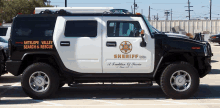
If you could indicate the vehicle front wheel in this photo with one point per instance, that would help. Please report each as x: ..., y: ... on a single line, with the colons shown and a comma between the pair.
x: 179, y: 80
x: 40, y: 81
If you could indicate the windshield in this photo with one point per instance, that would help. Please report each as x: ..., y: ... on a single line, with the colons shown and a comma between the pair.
x: 156, y: 30
x: 151, y: 29
x: 3, y: 40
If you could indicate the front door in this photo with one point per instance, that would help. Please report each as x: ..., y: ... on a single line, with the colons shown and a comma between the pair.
x: 122, y: 52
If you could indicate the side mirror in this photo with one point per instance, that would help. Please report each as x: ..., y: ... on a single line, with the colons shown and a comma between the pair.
x: 143, y: 43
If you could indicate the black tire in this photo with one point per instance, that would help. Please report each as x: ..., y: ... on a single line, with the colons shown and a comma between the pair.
x: 168, y: 72
x: 49, y: 71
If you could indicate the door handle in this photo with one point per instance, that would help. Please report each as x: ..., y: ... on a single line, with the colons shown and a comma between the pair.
x: 111, y: 44
x: 65, y: 43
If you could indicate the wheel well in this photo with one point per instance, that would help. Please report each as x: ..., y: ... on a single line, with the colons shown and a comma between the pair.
x: 34, y: 58
x: 175, y: 57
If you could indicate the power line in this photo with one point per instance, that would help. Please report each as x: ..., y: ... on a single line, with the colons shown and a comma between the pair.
x: 168, y: 3
x: 189, y: 9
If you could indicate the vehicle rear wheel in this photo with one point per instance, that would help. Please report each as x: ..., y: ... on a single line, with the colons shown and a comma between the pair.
x: 179, y: 80
x: 40, y: 81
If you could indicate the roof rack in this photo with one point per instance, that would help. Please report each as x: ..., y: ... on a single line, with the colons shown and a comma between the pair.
x: 64, y: 12
x: 119, y: 11
x: 47, y: 11
x: 75, y: 9
x: 61, y: 12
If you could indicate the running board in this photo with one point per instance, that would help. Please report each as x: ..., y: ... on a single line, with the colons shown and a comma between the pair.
x: 113, y: 84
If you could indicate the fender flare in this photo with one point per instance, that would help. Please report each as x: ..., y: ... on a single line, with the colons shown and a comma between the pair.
x: 162, y: 57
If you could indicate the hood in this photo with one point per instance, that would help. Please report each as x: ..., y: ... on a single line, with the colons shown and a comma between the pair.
x: 176, y: 35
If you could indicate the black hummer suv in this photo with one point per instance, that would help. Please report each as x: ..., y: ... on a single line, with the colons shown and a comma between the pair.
x: 51, y: 49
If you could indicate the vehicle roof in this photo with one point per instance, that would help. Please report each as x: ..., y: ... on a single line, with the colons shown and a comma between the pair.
x: 83, y: 14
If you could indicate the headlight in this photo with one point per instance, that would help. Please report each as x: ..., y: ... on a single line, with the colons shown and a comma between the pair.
x: 205, y: 50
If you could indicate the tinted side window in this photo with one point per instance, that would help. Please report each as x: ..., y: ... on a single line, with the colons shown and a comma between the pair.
x: 34, y: 27
x: 123, y: 28
x: 81, y: 29
x: 3, y: 31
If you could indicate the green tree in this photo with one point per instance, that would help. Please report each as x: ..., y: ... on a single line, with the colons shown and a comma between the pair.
x: 12, y: 8
x: 1, y: 5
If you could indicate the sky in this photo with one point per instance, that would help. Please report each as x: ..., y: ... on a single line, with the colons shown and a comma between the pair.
x: 201, y: 8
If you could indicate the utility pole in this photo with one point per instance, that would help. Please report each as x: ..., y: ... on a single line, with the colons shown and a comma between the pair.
x: 149, y: 14
x: 189, y: 9
x: 167, y: 13
x: 210, y: 9
x: 171, y: 14
x: 134, y: 6
x: 65, y: 3
x: 48, y: 2
x: 157, y: 17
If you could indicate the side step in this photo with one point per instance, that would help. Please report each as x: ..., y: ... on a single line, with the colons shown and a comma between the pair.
x: 113, y: 84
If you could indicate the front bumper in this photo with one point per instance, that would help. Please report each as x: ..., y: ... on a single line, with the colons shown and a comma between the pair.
x: 13, y: 67
x: 206, y: 66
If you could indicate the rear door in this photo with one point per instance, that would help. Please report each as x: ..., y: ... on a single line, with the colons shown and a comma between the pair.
x: 78, y: 42
x: 122, y: 52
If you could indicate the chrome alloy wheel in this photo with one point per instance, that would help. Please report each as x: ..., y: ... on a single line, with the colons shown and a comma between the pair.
x: 39, y: 81
x: 180, y: 81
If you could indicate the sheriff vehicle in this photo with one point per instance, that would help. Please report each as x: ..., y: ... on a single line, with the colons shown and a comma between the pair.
x: 51, y: 49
